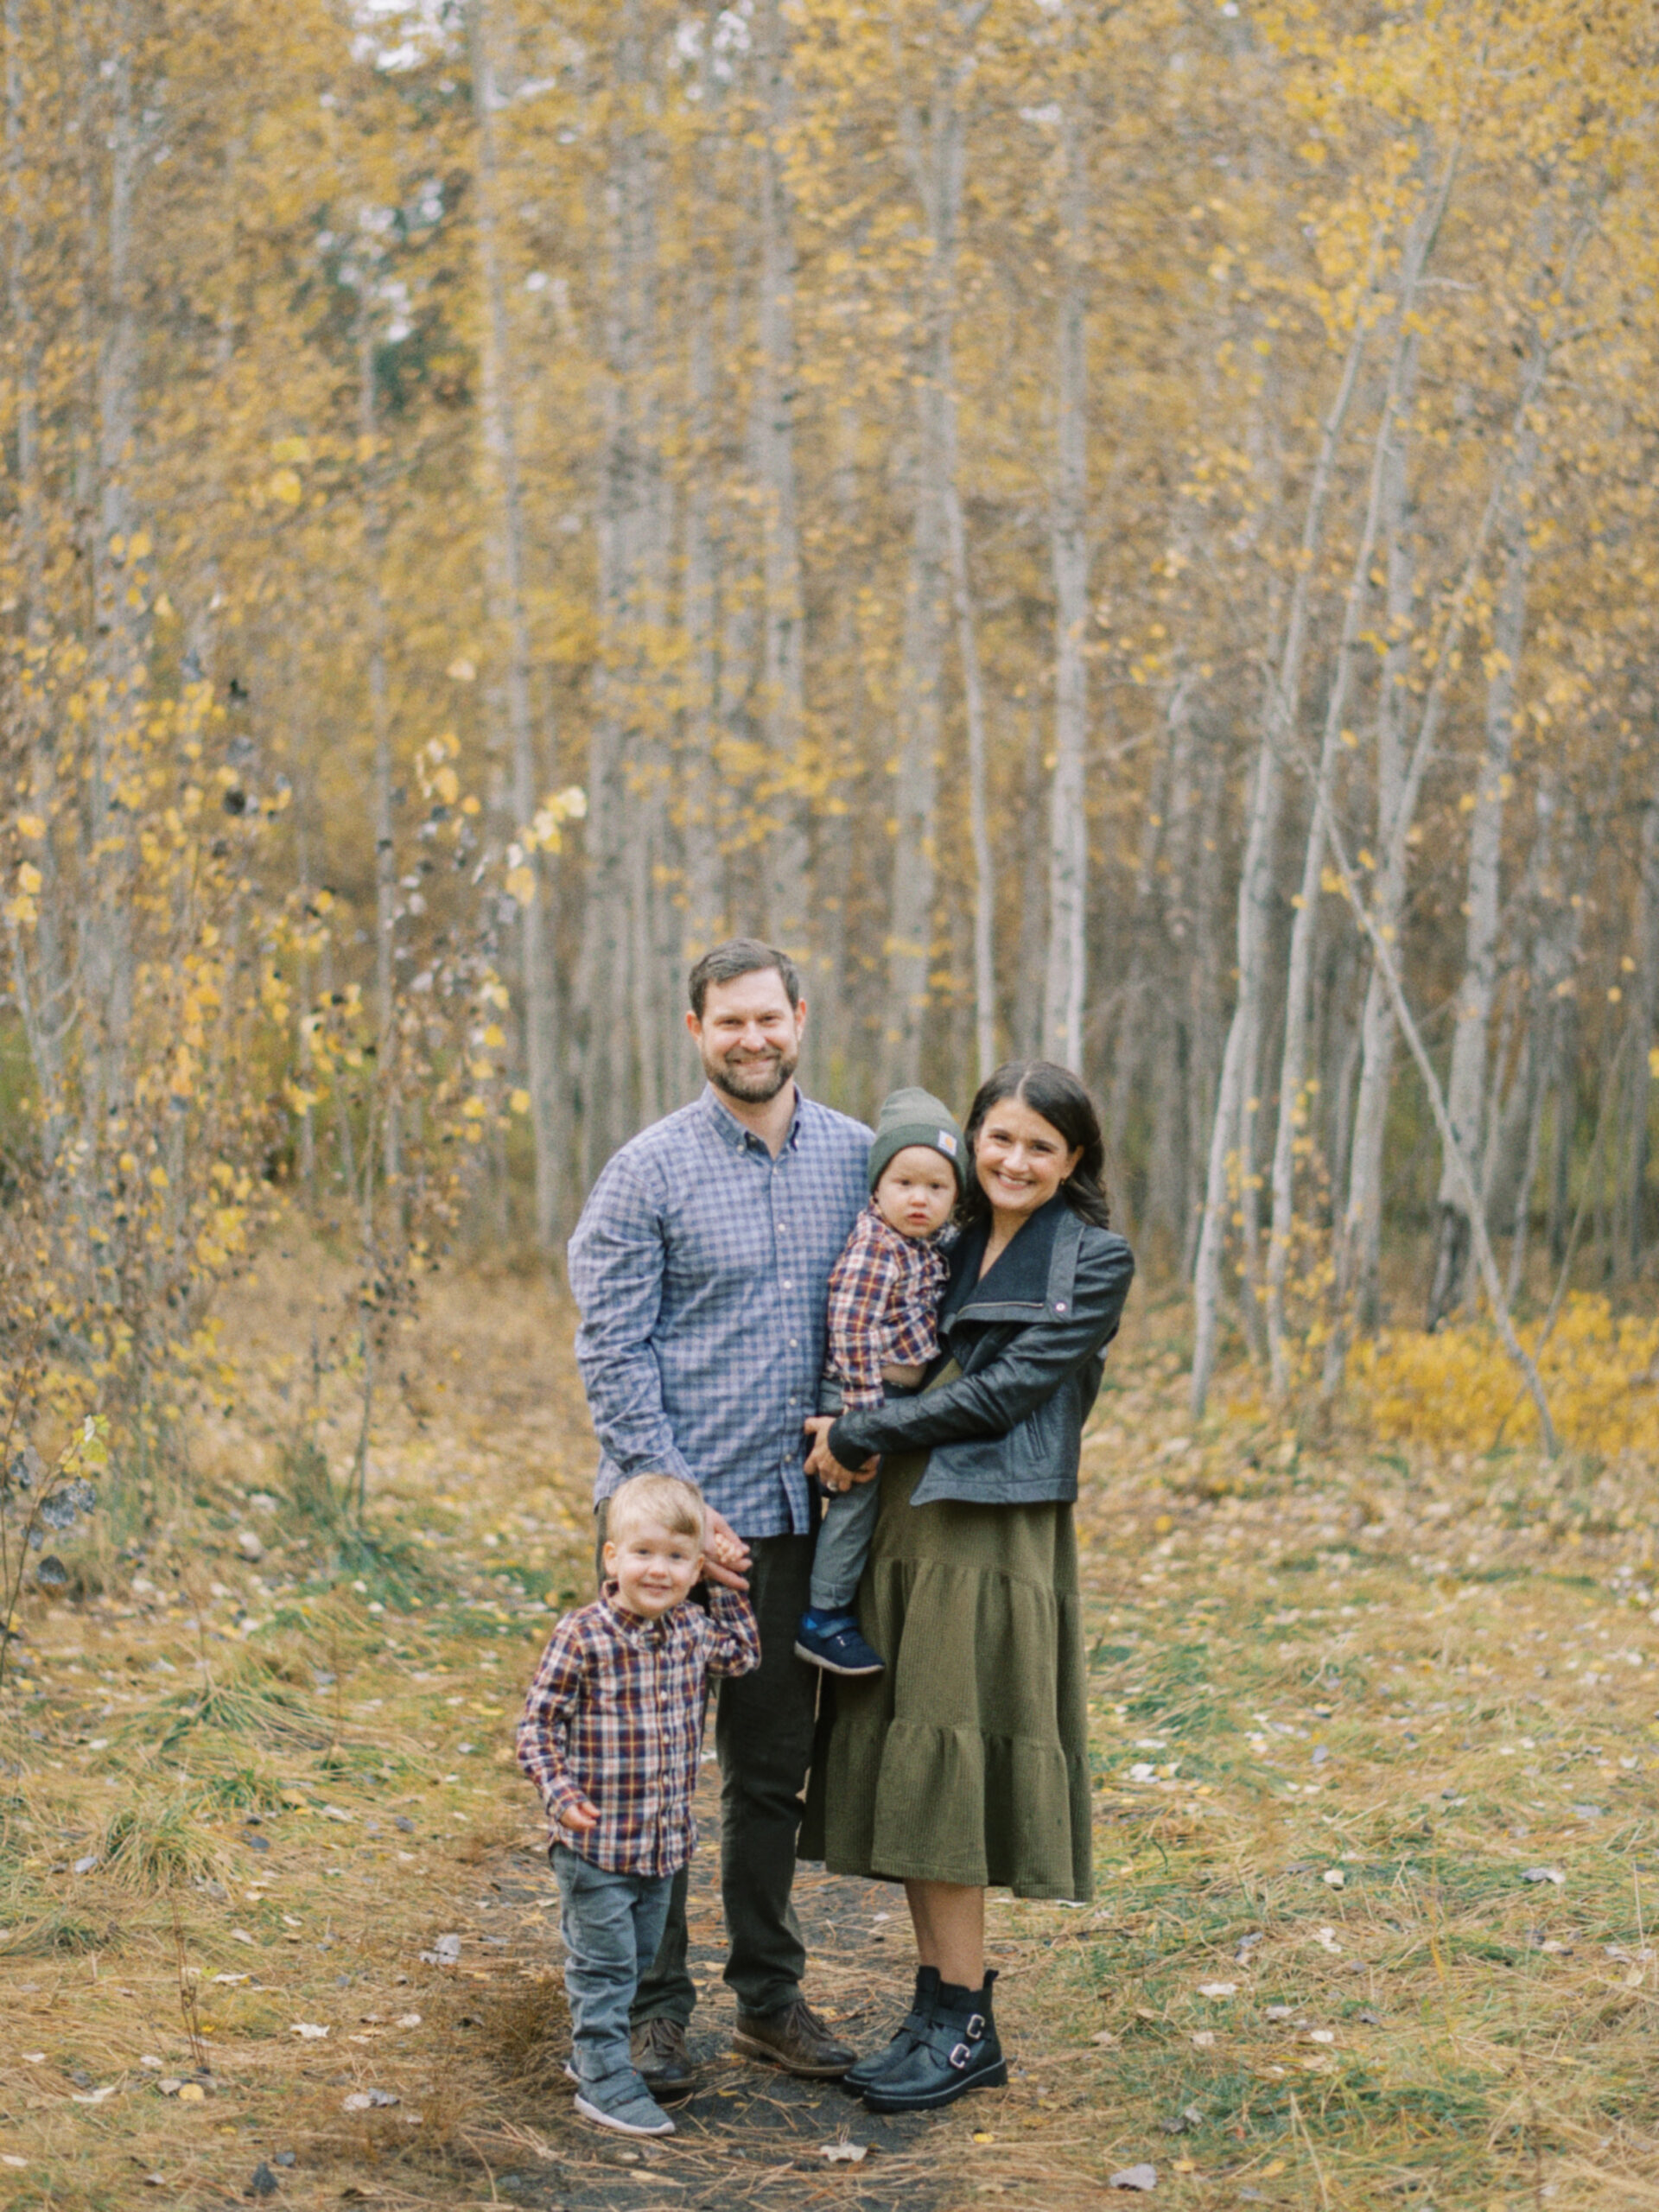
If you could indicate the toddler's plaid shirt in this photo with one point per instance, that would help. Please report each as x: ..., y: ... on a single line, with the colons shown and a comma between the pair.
x: 884, y: 1305
x: 615, y: 1715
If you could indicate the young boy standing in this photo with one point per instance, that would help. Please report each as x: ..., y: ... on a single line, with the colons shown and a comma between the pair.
x: 610, y: 1736
x: 883, y: 1330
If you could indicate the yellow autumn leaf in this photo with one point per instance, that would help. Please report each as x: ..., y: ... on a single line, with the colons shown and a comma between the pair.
x: 285, y: 485
x: 519, y: 1102
x: 447, y: 785
x: 495, y: 1037
x: 30, y: 826
x: 522, y: 884
x: 28, y: 879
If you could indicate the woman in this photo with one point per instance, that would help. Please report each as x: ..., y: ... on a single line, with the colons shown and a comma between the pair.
x: 965, y: 1763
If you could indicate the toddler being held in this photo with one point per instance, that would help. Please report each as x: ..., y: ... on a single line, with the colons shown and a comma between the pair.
x: 883, y: 1334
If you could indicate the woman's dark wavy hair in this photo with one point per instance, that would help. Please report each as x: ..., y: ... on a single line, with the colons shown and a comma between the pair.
x: 1056, y: 1093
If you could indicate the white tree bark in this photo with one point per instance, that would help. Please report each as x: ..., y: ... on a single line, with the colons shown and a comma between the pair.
x: 788, y: 893
x: 935, y: 151
x: 1066, y: 977
x: 1293, y: 1070
x: 386, y: 852
x: 1235, y: 1101
x: 1465, y: 1096
x: 498, y: 418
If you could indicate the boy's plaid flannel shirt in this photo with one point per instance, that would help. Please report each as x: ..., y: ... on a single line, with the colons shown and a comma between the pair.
x: 884, y: 1305
x: 615, y: 1715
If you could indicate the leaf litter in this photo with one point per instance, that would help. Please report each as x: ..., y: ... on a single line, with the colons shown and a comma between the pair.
x: 1459, y: 1662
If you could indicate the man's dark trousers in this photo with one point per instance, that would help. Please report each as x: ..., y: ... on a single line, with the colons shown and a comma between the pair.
x: 763, y: 1738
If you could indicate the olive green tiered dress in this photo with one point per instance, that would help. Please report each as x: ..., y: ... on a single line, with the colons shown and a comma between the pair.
x: 966, y: 1761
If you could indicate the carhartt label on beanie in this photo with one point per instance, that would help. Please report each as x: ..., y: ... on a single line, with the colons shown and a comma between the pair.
x: 916, y: 1116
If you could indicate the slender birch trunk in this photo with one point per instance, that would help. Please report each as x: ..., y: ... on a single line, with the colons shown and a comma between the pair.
x: 1065, y: 979
x: 705, y: 900
x: 1231, y: 1131
x: 500, y: 412
x: 1359, y: 1239
x: 1466, y: 1085
x: 39, y: 984
x: 1643, y: 1012
x: 385, y: 856
x: 936, y: 156
x: 788, y: 895
x: 974, y: 706
x: 610, y: 937
x: 1292, y: 1067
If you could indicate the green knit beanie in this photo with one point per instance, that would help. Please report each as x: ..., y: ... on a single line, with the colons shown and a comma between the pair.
x: 916, y: 1116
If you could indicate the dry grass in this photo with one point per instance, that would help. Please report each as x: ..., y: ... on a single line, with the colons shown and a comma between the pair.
x: 1426, y: 1673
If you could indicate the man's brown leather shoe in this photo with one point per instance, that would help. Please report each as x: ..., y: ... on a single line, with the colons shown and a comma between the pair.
x: 657, y: 2048
x: 794, y: 2038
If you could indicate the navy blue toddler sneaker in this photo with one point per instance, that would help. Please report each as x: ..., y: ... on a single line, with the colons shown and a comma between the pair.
x: 833, y: 1641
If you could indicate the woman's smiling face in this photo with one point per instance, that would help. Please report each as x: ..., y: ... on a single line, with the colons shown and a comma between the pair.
x: 1020, y: 1159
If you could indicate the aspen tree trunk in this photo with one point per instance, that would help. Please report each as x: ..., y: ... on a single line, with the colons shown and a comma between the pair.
x: 935, y: 154
x: 974, y: 705
x: 1230, y: 1133
x: 1359, y: 1242
x: 1293, y: 1066
x: 788, y: 896
x: 105, y: 927
x: 499, y: 413
x: 386, y: 857
x: 1466, y: 1084
x: 1205, y: 998
x: 700, y: 777
x: 835, y: 837
x: 40, y: 986
x: 615, y: 825
x: 1167, y: 767
x: 1068, y: 849
x: 1644, y: 989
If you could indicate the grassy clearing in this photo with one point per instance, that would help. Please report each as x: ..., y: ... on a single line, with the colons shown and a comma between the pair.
x: 1346, y: 1700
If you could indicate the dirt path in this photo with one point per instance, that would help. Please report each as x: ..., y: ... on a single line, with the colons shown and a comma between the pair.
x: 751, y: 2135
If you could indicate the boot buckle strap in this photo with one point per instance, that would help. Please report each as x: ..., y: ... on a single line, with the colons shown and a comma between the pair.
x: 960, y: 2055
x: 975, y: 2027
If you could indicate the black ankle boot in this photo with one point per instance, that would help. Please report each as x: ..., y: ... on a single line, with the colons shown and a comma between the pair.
x: 858, y: 2078
x: 956, y: 2051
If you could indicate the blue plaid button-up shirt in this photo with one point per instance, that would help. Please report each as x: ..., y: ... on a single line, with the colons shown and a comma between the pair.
x: 701, y: 1266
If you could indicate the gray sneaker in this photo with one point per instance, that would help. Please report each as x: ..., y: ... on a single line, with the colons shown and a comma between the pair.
x: 623, y: 2102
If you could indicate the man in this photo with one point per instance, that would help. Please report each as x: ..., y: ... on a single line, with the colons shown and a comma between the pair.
x: 701, y: 1265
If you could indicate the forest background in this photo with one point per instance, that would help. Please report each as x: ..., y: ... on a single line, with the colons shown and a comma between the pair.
x: 1120, y: 532
x: 1126, y: 532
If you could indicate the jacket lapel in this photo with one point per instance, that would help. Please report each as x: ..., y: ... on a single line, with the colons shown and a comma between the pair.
x: 1033, y: 1278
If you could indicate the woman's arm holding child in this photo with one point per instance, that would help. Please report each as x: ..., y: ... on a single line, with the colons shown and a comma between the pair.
x: 544, y: 1731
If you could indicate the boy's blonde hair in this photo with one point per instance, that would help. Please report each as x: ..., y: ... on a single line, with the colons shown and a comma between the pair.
x: 666, y: 1500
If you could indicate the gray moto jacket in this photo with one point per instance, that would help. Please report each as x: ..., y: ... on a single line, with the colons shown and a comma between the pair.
x: 1031, y: 1341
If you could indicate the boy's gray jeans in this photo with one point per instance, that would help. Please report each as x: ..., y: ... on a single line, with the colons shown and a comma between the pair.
x: 845, y: 1535
x: 611, y: 1925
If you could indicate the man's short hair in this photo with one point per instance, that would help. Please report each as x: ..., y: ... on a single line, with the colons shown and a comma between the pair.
x: 662, y: 1501
x: 741, y: 955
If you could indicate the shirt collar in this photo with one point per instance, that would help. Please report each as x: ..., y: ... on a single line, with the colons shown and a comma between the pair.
x: 727, y: 1126
x: 632, y: 1626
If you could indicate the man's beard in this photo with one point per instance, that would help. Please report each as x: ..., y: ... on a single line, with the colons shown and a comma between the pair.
x: 754, y: 1081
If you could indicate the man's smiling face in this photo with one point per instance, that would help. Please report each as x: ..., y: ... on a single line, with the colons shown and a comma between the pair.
x: 749, y: 1035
